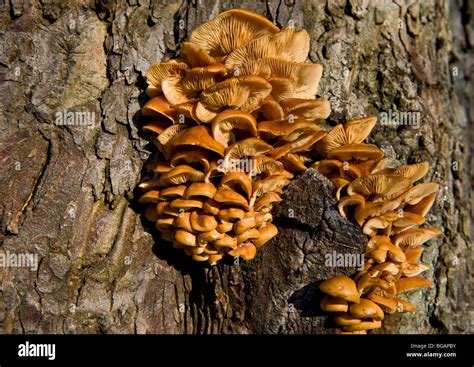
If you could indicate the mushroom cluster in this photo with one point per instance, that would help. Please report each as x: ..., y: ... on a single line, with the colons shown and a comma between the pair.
x: 233, y: 118
x: 389, y: 208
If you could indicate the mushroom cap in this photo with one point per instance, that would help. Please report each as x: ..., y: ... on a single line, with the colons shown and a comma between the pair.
x: 187, y: 204
x: 374, y: 224
x: 197, y: 136
x: 419, y: 192
x: 200, y: 189
x: 405, y: 306
x: 244, y: 224
x: 200, y: 257
x: 304, y: 77
x: 158, y: 72
x: 384, y: 243
x: 286, y: 45
x: 246, y: 251
x: 309, y: 109
x: 224, y: 227
x: 152, y: 91
x: 358, y: 130
x: 249, y: 234
x: 211, y: 206
x: 170, y: 132
x: 411, y: 283
x: 202, y: 222
x: 366, y: 309
x: 415, y: 237
x: 352, y: 171
x: 388, y: 305
x: 423, y: 206
x: 200, y: 78
x: 411, y: 171
x: 283, y: 127
x: 156, y: 127
x: 407, y: 220
x: 191, y: 156
x: 230, y: 30
x: 172, y: 192
x: 159, y: 107
x: 151, y: 214
x: 149, y: 197
x: 183, y: 221
x: 267, y: 232
x: 270, y: 109
x: 413, y: 269
x: 226, y: 241
x: 345, y: 319
x: 371, y: 209
x: 348, y: 201
x: 249, y: 147
x: 327, y: 167
x: 175, y: 92
x: 342, y: 287
x: 335, y: 138
x: 185, y: 238
x: 383, y: 185
x: 228, y: 120
x: 333, y: 304
x: 245, y: 93
x: 364, y: 325
x: 413, y: 254
x: 367, y: 283
x: 195, y: 55
x: 179, y: 175
x: 228, y: 196
x: 359, y: 152
x: 266, y: 201
x: 238, y: 181
x: 214, y: 259
x: 268, y: 184
x: 231, y: 214
x: 204, y: 238
x: 266, y: 165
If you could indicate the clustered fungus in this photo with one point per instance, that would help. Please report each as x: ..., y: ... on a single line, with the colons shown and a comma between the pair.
x: 233, y: 119
x: 389, y: 208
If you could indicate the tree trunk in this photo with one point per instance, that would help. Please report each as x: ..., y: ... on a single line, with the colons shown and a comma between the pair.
x: 68, y: 192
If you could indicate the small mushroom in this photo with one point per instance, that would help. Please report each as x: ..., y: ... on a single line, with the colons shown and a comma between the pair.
x: 342, y: 287
x: 366, y: 309
x: 364, y: 325
x: 246, y: 251
x: 334, y: 304
x: 227, y: 123
x: 411, y: 283
x: 202, y: 222
x: 185, y: 238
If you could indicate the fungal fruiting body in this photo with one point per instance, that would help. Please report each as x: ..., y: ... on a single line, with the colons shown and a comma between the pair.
x: 233, y: 119
x: 389, y: 207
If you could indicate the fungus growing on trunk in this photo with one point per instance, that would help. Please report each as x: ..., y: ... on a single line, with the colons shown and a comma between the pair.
x: 234, y: 119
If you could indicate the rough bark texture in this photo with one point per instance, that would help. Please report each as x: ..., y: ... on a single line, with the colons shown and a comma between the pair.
x: 66, y: 192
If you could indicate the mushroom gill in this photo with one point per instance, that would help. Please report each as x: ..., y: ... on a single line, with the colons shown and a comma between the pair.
x: 233, y: 118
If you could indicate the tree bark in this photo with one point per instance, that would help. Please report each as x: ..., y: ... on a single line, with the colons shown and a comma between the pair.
x: 67, y: 193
